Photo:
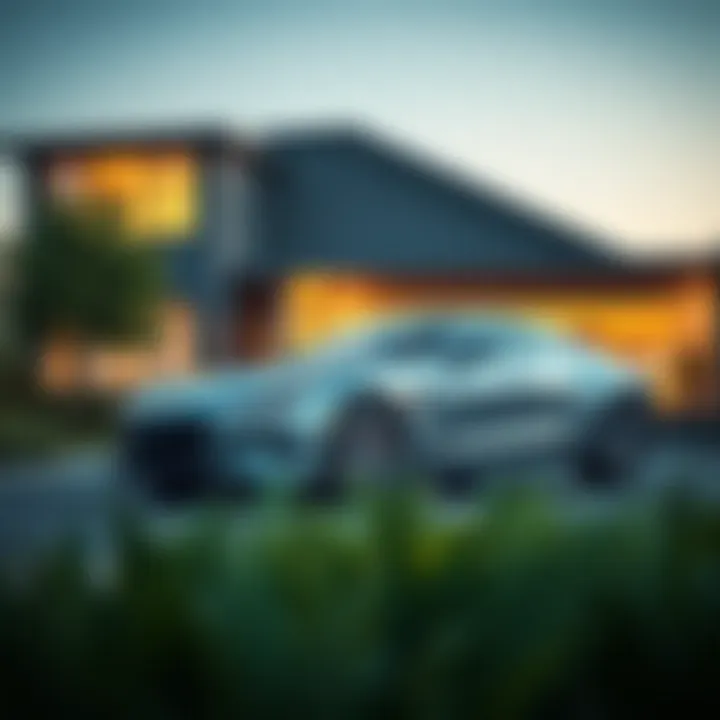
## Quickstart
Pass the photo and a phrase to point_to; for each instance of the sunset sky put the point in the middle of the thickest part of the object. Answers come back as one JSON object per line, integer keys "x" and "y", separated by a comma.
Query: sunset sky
{"x": 607, "y": 111}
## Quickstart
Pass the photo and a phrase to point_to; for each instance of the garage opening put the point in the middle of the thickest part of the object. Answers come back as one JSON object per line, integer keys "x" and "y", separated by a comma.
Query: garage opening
{"x": 257, "y": 326}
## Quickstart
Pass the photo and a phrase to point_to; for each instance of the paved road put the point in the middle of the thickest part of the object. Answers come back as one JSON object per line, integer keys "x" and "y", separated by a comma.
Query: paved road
{"x": 42, "y": 503}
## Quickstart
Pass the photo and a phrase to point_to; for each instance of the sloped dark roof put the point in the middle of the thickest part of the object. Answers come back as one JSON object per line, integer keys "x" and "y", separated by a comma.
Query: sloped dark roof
{"x": 486, "y": 230}
{"x": 550, "y": 228}
{"x": 493, "y": 220}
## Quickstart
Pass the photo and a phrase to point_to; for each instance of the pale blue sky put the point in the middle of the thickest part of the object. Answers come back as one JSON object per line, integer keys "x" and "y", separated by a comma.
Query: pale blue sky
{"x": 609, "y": 111}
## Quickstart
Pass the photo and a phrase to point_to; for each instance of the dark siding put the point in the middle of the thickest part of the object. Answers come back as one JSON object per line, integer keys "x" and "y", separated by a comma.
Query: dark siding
{"x": 223, "y": 243}
{"x": 181, "y": 264}
{"x": 347, "y": 203}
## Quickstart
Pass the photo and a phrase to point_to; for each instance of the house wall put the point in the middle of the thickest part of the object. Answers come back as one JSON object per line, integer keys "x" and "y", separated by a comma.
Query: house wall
{"x": 666, "y": 324}
{"x": 226, "y": 238}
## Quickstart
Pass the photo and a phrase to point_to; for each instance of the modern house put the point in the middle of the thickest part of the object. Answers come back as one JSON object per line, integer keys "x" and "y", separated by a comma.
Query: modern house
{"x": 282, "y": 243}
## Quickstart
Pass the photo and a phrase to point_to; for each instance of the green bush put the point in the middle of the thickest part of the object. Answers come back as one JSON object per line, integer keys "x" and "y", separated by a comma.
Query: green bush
{"x": 394, "y": 610}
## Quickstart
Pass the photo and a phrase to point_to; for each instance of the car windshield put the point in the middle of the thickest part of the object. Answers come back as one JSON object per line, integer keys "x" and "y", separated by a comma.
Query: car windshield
{"x": 476, "y": 337}
{"x": 418, "y": 336}
{"x": 406, "y": 337}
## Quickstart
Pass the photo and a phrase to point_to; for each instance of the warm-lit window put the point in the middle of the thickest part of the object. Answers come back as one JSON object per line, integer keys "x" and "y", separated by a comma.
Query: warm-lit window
{"x": 154, "y": 192}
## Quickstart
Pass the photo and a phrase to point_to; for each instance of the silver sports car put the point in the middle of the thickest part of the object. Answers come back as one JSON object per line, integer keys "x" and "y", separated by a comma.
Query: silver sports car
{"x": 429, "y": 393}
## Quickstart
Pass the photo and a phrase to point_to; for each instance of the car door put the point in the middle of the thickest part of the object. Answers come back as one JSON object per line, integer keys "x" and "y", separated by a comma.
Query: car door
{"x": 411, "y": 368}
{"x": 505, "y": 395}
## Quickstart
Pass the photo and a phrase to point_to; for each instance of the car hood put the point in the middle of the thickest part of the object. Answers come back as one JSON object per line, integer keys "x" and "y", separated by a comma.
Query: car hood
{"x": 213, "y": 391}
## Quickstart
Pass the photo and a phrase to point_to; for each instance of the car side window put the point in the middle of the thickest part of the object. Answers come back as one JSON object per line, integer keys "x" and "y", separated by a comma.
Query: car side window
{"x": 416, "y": 344}
{"x": 473, "y": 346}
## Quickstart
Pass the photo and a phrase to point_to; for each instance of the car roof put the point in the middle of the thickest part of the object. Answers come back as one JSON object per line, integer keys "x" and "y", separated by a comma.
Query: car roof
{"x": 498, "y": 327}
{"x": 493, "y": 325}
{"x": 492, "y": 322}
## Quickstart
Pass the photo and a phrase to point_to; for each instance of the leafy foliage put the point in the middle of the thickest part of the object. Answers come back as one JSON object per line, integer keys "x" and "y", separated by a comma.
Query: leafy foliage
{"x": 80, "y": 275}
{"x": 511, "y": 610}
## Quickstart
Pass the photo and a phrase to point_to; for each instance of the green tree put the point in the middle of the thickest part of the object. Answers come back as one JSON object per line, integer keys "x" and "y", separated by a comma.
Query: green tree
{"x": 78, "y": 274}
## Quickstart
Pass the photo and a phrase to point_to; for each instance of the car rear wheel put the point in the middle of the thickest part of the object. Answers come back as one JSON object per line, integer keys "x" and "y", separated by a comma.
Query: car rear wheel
{"x": 613, "y": 454}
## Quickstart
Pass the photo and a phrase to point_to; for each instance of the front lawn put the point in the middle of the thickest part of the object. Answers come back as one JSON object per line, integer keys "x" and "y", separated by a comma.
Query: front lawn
{"x": 513, "y": 610}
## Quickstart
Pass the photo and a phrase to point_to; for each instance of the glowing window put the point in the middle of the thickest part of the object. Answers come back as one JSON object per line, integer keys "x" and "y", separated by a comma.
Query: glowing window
{"x": 155, "y": 192}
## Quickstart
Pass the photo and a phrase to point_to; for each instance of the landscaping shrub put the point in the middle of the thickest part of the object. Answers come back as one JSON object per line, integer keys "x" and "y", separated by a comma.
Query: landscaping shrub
{"x": 392, "y": 609}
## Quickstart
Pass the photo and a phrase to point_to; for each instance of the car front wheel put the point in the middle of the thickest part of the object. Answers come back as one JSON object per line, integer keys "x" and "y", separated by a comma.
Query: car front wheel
{"x": 370, "y": 446}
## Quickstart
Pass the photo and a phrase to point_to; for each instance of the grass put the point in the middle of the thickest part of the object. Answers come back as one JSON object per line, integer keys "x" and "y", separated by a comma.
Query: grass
{"x": 514, "y": 611}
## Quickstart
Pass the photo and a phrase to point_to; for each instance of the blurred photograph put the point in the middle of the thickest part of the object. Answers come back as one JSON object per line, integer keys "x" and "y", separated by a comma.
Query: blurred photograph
{"x": 359, "y": 361}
